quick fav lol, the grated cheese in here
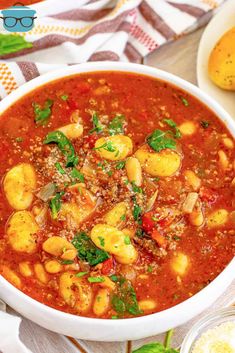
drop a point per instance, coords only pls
(220, 339)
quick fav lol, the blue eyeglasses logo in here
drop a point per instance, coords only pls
(18, 18)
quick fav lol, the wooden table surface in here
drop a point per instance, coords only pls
(178, 58)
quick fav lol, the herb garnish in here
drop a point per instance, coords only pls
(97, 126)
(96, 279)
(77, 175)
(158, 141)
(127, 240)
(116, 125)
(123, 217)
(124, 300)
(204, 124)
(120, 165)
(184, 101)
(64, 97)
(81, 274)
(64, 145)
(66, 262)
(87, 251)
(19, 139)
(107, 146)
(102, 242)
(173, 124)
(139, 233)
(136, 211)
(59, 168)
(55, 204)
(11, 43)
(136, 188)
(114, 278)
(42, 115)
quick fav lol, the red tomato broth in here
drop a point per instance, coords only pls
(136, 97)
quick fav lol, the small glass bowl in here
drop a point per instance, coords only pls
(210, 321)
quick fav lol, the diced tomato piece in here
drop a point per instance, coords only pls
(91, 140)
(147, 222)
(83, 87)
(159, 238)
(73, 105)
(107, 266)
(208, 195)
(165, 222)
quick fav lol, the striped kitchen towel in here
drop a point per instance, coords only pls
(75, 31)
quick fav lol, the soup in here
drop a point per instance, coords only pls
(8, 3)
(117, 195)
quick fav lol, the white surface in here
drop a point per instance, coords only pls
(9, 334)
(221, 23)
(117, 330)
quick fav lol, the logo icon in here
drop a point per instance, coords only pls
(18, 18)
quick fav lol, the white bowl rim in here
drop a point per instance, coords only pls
(228, 273)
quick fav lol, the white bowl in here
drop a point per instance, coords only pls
(125, 329)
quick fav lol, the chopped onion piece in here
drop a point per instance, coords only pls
(190, 202)
(46, 192)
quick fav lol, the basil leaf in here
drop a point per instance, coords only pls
(154, 348)
(87, 251)
(55, 204)
(64, 145)
(116, 125)
(158, 141)
(42, 115)
(11, 43)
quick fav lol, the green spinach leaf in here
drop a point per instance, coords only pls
(64, 145)
(87, 251)
(97, 126)
(116, 125)
(159, 140)
(55, 204)
(42, 115)
(77, 175)
(173, 124)
(136, 210)
(124, 300)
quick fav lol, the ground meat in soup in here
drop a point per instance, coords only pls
(117, 195)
